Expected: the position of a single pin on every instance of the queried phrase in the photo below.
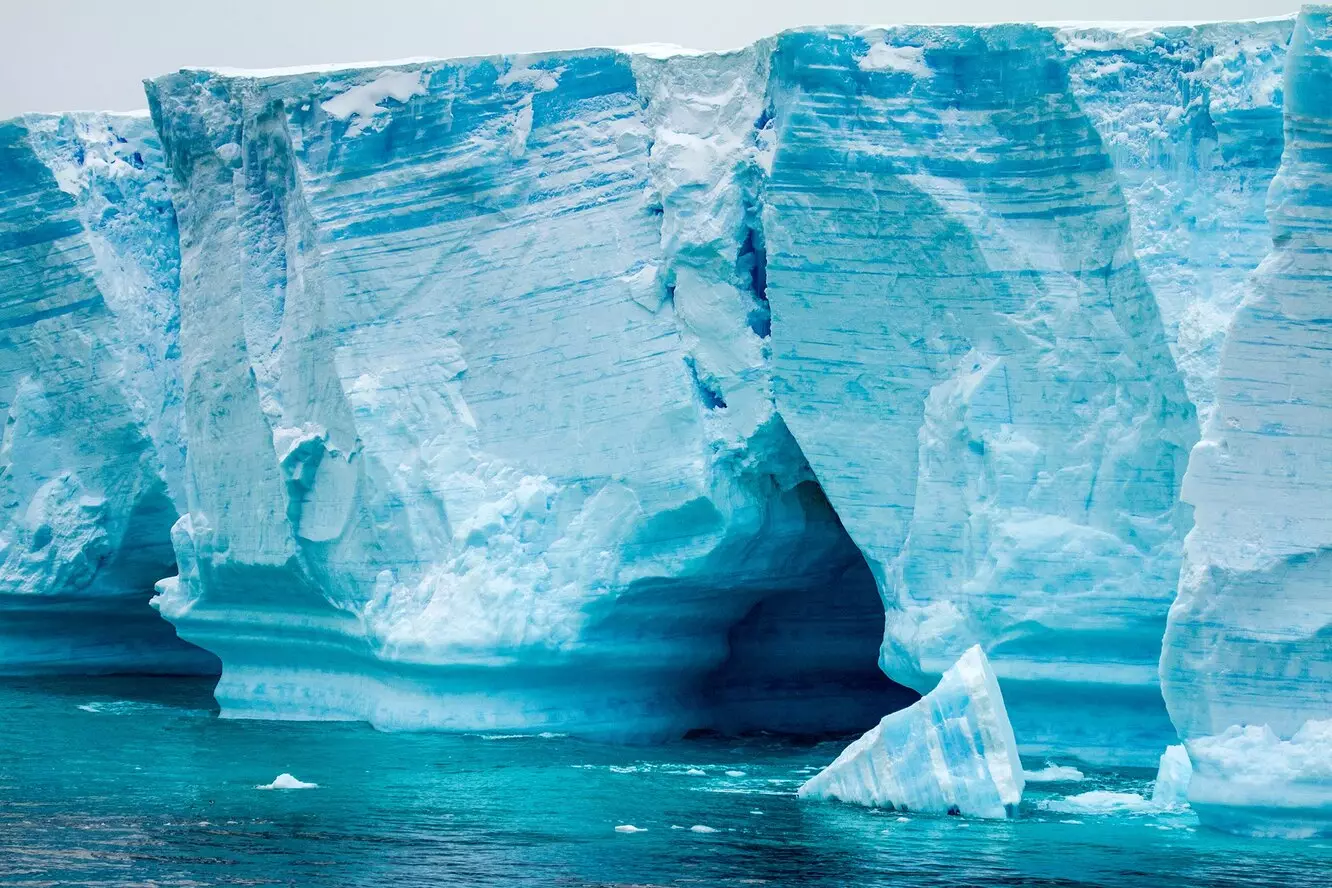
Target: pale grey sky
(93, 54)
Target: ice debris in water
(700, 828)
(630, 828)
(952, 751)
(1099, 801)
(1053, 773)
(287, 781)
(1251, 781)
(1172, 778)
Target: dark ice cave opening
(803, 661)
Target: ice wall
(608, 363)
(91, 455)
(477, 388)
(974, 363)
(1247, 663)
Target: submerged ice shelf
(629, 392)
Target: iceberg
(91, 458)
(951, 752)
(382, 266)
(622, 392)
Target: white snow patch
(363, 104)
(906, 59)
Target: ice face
(498, 424)
(972, 360)
(91, 457)
(1247, 660)
(951, 752)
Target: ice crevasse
(633, 391)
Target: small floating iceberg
(952, 751)
(1053, 773)
(1099, 801)
(630, 828)
(286, 781)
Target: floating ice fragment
(700, 828)
(1053, 773)
(735, 773)
(1099, 801)
(952, 751)
(287, 781)
(696, 772)
(630, 828)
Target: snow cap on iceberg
(951, 751)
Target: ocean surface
(132, 781)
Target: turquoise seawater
(137, 782)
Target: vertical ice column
(91, 456)
(969, 355)
(1247, 663)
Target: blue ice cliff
(626, 392)
(91, 458)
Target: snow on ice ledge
(951, 752)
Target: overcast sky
(93, 54)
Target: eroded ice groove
(91, 456)
(972, 359)
(952, 752)
(1190, 118)
(1247, 662)
(478, 395)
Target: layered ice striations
(951, 752)
(91, 457)
(628, 391)
(476, 358)
(972, 359)
(1247, 663)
